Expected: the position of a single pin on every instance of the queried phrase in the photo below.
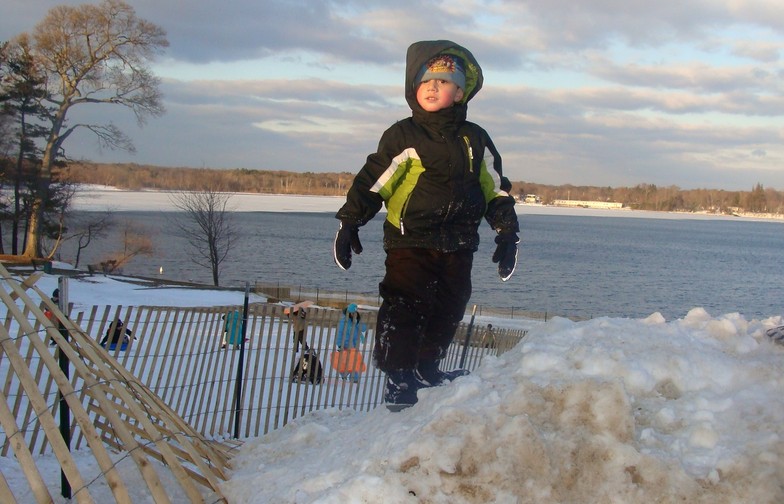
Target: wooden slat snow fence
(172, 394)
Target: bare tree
(136, 241)
(92, 54)
(207, 226)
(87, 229)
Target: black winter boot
(401, 389)
(430, 376)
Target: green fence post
(240, 363)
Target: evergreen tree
(22, 96)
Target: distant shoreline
(529, 209)
(101, 199)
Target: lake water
(582, 266)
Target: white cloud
(765, 52)
(594, 84)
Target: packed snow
(606, 410)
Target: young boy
(438, 175)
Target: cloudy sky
(595, 92)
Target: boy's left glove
(346, 240)
(506, 254)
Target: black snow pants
(424, 293)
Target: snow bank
(608, 410)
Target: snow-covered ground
(101, 198)
(607, 410)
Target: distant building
(608, 205)
(532, 199)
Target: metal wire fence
(247, 387)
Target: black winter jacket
(437, 173)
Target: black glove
(506, 254)
(346, 240)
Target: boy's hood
(420, 53)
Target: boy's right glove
(506, 254)
(346, 240)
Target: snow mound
(607, 410)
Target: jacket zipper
(470, 154)
(402, 214)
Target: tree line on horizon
(131, 176)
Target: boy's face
(437, 94)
